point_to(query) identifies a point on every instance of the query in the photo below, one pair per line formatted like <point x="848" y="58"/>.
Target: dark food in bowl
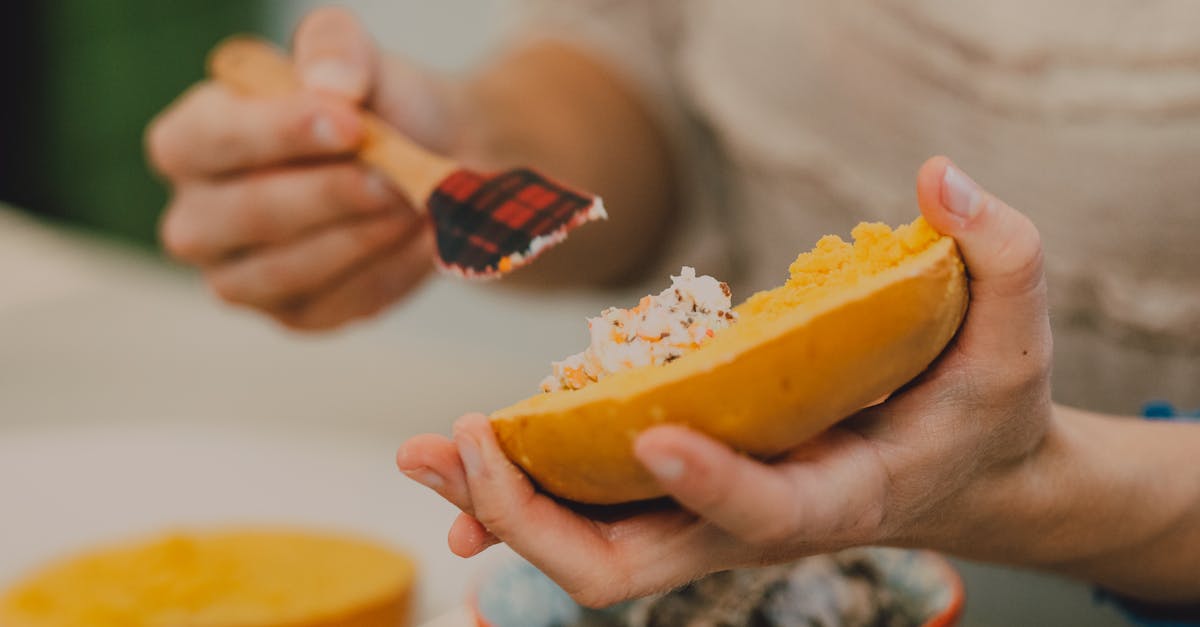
<point x="843" y="589"/>
<point x="862" y="587"/>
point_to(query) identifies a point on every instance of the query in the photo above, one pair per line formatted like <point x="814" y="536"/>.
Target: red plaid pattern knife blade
<point x="485" y="225"/>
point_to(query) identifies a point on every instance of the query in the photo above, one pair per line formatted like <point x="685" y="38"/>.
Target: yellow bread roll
<point x="237" y="578"/>
<point x="853" y="323"/>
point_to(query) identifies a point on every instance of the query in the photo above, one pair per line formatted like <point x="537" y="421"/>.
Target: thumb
<point x="1003" y="255"/>
<point x="334" y="53"/>
<point x="1001" y="247"/>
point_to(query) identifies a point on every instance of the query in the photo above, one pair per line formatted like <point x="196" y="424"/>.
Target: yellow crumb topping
<point x="835" y="263"/>
<point x="246" y="578"/>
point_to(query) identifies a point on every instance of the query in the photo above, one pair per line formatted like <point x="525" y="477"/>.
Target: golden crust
<point x="763" y="390"/>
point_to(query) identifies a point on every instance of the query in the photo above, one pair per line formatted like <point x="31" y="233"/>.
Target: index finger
<point x="212" y="131"/>
<point x="596" y="563"/>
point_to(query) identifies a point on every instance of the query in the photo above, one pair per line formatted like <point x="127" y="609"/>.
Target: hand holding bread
<point x="962" y="435"/>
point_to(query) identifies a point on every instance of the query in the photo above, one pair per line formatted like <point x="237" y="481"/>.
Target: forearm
<point x="1112" y="501"/>
<point x="551" y="107"/>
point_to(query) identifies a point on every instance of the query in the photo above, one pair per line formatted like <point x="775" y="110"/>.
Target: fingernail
<point x="427" y="478"/>
<point x="665" y="467"/>
<point x="961" y="195"/>
<point x="335" y="76"/>
<point x="468" y="450"/>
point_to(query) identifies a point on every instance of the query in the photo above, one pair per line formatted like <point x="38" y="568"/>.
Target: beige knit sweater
<point x="795" y="118"/>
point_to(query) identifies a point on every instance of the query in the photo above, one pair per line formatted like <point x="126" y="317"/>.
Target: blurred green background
<point x="86" y="77"/>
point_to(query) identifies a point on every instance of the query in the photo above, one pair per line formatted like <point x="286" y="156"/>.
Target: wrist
<point x="1035" y="511"/>
<point x="1114" y="501"/>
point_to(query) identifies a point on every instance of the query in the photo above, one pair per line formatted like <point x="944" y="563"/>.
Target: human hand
<point x="267" y="199"/>
<point x="936" y="465"/>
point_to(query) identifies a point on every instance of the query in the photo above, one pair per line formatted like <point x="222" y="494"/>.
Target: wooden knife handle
<point x="254" y="67"/>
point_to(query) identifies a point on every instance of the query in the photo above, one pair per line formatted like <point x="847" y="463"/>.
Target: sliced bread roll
<point x="854" y="322"/>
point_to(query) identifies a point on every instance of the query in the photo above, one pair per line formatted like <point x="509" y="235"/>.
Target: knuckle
<point x="165" y="139"/>
<point x="1021" y="259"/>
<point x="495" y="520"/>
<point x="374" y="233"/>
<point x="354" y="188"/>
<point x="719" y="488"/>
<point x="225" y="287"/>
<point x="1021" y="367"/>
<point x="1022" y="380"/>
<point x="254" y="213"/>
<point x="177" y="234"/>
<point x="172" y="138"/>
<point x="296" y="121"/>
<point x="768" y="533"/>
<point x="257" y="281"/>
<point x="231" y="144"/>
<point x="162" y="146"/>
<point x="1034" y="236"/>
<point x="282" y="280"/>
<point x="501" y="517"/>
<point x="1019" y="255"/>
<point x="262" y="132"/>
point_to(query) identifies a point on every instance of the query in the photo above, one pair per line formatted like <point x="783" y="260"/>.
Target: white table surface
<point x="130" y="401"/>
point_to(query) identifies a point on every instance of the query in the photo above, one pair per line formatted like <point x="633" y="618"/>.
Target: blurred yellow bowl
<point x="259" y="577"/>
